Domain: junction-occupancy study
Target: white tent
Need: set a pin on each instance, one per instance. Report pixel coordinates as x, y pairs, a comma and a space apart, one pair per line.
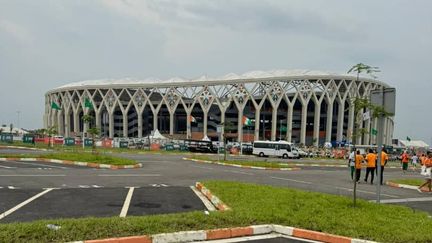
205, 138
413, 143
157, 135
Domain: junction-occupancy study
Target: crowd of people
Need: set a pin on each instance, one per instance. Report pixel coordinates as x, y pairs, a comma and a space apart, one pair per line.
356, 163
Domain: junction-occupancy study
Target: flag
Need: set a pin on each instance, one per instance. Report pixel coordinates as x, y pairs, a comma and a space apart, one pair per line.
55, 106
409, 139
191, 119
366, 116
374, 131
246, 121
88, 104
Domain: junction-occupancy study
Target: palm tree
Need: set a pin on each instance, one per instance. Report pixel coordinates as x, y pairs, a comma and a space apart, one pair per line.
359, 104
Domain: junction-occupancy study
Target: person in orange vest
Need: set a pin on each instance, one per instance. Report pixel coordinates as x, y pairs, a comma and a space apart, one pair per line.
422, 158
371, 163
384, 159
428, 182
358, 165
405, 160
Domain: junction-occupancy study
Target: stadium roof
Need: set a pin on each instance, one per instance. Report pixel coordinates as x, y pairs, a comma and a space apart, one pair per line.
248, 76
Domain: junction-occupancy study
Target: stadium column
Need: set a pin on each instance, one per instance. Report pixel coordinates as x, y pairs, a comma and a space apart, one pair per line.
140, 128
60, 122
54, 118
76, 122
111, 123
317, 114
188, 123
171, 125
125, 124
329, 124
359, 128
274, 122
66, 123
289, 121
98, 119
350, 121
303, 122
367, 134
205, 113
257, 121
340, 120
240, 125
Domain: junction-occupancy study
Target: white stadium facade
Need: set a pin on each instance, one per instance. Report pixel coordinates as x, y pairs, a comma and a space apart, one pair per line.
306, 107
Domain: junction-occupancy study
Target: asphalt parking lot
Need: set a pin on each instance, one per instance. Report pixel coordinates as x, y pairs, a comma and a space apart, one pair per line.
22, 205
158, 179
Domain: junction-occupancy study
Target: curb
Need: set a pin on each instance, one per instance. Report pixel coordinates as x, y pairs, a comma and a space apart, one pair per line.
226, 233
221, 206
240, 166
392, 184
77, 163
20, 147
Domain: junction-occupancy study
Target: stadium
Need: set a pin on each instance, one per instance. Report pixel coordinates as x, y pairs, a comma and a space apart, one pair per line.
305, 107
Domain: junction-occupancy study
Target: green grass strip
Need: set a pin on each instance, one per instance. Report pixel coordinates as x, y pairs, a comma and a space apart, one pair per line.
264, 164
81, 157
251, 204
411, 182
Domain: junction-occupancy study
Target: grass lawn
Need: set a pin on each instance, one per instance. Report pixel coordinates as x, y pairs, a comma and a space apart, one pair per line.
82, 157
411, 182
251, 204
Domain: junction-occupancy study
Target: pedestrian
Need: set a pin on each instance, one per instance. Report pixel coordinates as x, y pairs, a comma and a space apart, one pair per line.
405, 160
358, 165
384, 160
422, 159
351, 163
428, 182
414, 161
371, 164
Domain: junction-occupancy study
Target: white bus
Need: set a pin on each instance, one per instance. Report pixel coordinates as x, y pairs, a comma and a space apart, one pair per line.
275, 148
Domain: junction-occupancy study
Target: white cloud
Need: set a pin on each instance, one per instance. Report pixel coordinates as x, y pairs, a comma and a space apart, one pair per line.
16, 31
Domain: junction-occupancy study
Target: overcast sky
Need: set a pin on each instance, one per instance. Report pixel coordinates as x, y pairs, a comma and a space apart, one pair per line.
45, 44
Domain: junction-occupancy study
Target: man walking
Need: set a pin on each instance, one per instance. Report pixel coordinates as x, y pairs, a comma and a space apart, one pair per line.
405, 160
358, 165
371, 164
384, 159
351, 163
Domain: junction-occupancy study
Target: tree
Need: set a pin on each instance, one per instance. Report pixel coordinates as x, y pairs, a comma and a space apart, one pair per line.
50, 131
94, 131
87, 119
359, 104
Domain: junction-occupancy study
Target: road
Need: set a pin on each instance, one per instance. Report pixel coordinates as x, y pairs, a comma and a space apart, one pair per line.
171, 171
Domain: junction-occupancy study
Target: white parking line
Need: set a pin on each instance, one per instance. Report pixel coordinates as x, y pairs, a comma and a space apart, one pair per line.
25, 203
202, 167
286, 179
6, 167
366, 192
239, 172
401, 200
44, 165
129, 175
28, 175
126, 203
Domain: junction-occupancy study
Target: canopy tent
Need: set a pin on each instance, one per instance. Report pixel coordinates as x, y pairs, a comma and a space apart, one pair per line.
157, 135
413, 144
205, 138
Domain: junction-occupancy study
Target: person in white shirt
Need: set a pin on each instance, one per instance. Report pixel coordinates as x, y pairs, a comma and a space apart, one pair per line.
351, 163
414, 161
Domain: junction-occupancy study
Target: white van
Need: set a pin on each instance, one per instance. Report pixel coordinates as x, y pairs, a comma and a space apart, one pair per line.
274, 148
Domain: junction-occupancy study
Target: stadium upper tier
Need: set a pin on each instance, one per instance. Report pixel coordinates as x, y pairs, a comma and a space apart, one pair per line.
252, 76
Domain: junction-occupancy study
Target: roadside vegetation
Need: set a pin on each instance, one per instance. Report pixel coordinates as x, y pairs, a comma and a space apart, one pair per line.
251, 204
81, 157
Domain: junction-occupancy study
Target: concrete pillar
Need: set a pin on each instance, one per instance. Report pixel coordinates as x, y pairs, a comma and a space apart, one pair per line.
60, 123
223, 122
274, 123
257, 123
140, 125
205, 122
155, 120
54, 118
111, 124
67, 123
76, 123
289, 122
329, 121
317, 115
303, 123
340, 121
350, 122
98, 120
240, 126
171, 127
367, 139
188, 124
125, 124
